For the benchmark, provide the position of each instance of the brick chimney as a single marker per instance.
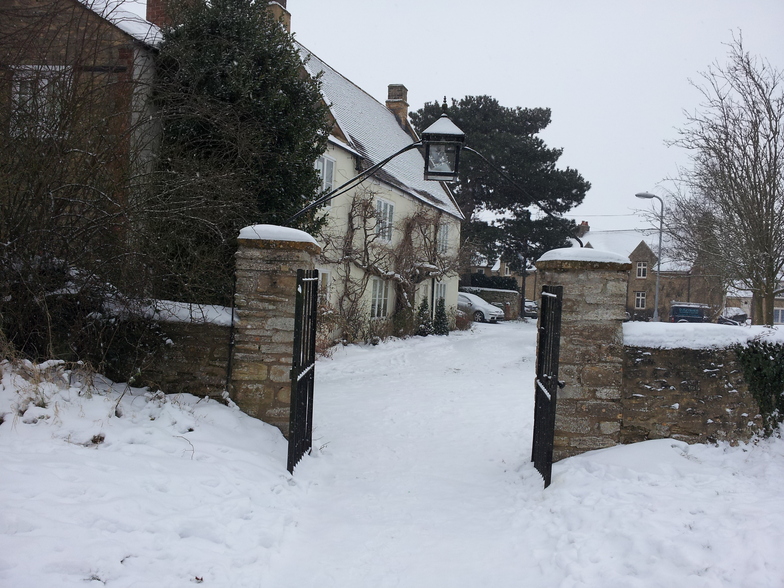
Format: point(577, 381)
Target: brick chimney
point(582, 229)
point(158, 13)
point(397, 97)
point(278, 10)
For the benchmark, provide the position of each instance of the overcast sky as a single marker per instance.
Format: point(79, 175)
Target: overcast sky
point(615, 73)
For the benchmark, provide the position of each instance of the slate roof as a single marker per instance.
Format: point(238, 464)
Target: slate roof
point(372, 130)
point(626, 241)
point(131, 23)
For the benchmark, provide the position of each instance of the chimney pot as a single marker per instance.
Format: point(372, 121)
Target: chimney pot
point(397, 96)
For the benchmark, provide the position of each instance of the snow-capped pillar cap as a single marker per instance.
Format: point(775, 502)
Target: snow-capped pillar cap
point(583, 258)
point(275, 236)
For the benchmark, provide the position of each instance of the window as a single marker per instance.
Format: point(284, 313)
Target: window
point(642, 269)
point(379, 299)
point(639, 300)
point(325, 285)
point(442, 239)
point(481, 271)
point(440, 292)
point(37, 97)
point(507, 271)
point(384, 216)
point(326, 170)
point(778, 316)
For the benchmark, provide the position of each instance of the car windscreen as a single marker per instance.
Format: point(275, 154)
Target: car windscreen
point(680, 311)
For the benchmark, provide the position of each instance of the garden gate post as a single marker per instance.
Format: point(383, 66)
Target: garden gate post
point(588, 411)
point(267, 261)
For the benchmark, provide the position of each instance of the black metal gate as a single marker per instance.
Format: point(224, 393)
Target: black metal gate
point(303, 367)
point(546, 382)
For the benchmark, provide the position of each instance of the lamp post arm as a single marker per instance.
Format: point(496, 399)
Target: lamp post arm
point(506, 176)
point(360, 177)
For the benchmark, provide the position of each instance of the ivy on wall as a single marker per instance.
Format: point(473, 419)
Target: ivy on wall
point(763, 369)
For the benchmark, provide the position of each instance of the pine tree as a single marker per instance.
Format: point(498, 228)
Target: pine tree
point(509, 138)
point(241, 126)
point(441, 323)
point(424, 323)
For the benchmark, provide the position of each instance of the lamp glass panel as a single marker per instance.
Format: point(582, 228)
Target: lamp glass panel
point(441, 158)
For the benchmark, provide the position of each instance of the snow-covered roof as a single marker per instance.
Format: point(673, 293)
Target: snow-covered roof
point(626, 241)
point(373, 131)
point(130, 22)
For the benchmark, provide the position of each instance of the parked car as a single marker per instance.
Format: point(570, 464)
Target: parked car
point(689, 312)
point(531, 309)
point(479, 310)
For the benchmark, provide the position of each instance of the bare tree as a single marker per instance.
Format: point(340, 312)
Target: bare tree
point(728, 209)
point(361, 252)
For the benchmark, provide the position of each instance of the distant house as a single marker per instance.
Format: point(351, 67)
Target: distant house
point(392, 240)
point(677, 281)
point(742, 301)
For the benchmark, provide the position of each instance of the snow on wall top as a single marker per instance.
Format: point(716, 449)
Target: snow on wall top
point(373, 131)
point(130, 22)
point(276, 233)
point(695, 335)
point(583, 254)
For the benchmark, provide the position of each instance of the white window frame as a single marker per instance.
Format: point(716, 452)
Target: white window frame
point(442, 239)
point(440, 292)
point(778, 316)
point(39, 89)
point(325, 166)
point(379, 298)
point(640, 300)
point(325, 285)
point(385, 218)
point(642, 269)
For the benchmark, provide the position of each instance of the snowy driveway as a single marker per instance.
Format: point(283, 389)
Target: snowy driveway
point(421, 478)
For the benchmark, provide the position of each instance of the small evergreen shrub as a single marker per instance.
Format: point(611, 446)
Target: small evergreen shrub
point(424, 323)
point(441, 322)
point(763, 368)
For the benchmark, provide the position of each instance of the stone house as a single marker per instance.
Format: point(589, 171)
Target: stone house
point(677, 282)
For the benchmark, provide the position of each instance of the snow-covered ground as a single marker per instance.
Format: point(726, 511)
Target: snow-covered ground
point(420, 478)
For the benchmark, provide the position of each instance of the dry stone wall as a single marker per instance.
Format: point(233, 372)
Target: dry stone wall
point(694, 395)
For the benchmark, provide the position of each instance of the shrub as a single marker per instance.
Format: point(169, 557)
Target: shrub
point(424, 323)
point(763, 368)
point(441, 323)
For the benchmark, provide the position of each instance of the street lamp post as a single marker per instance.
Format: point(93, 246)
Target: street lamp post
point(648, 196)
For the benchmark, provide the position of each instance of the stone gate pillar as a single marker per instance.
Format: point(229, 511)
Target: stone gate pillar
point(588, 410)
point(267, 261)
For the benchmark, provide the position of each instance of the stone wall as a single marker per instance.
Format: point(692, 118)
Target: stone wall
point(694, 395)
point(508, 300)
point(194, 362)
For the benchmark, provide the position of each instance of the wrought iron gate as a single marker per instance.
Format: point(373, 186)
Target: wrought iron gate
point(546, 382)
point(303, 367)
